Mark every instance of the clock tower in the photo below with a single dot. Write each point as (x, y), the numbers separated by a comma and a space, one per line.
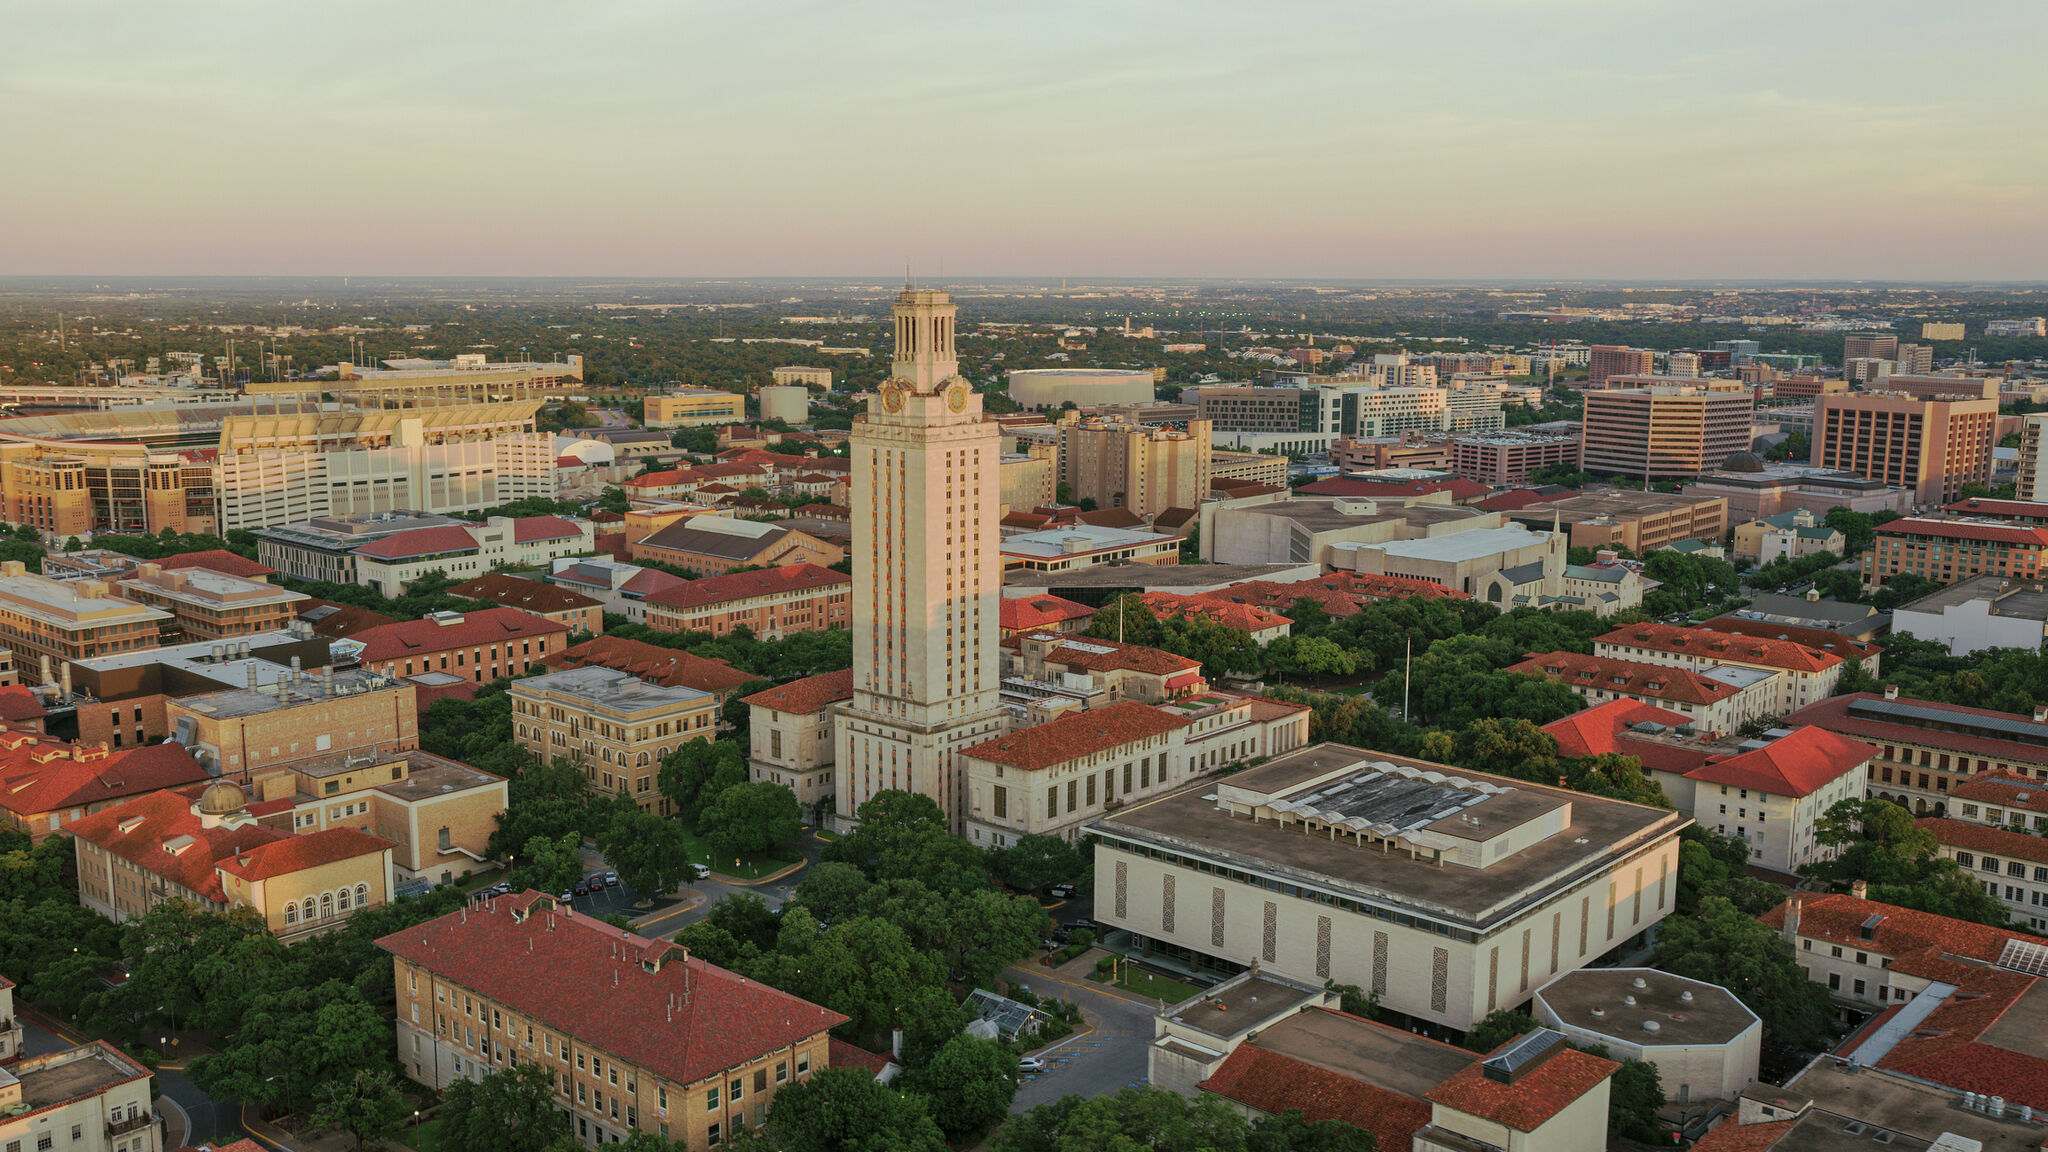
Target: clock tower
(927, 575)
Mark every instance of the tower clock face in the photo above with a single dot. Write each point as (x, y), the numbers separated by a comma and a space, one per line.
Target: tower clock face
(892, 398)
(956, 397)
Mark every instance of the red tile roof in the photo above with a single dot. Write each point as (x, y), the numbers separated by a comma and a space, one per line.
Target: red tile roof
(532, 595)
(1997, 509)
(824, 512)
(1076, 734)
(1243, 617)
(685, 1020)
(1273, 1083)
(1607, 674)
(668, 667)
(1948, 1046)
(345, 620)
(1040, 611)
(164, 817)
(1836, 714)
(489, 626)
(18, 704)
(527, 529)
(1096, 655)
(648, 581)
(45, 774)
(810, 694)
(1461, 490)
(843, 1055)
(420, 542)
(1839, 918)
(1517, 499)
(217, 560)
(1974, 530)
(1603, 729)
(1539, 1094)
(1734, 1137)
(1728, 647)
(1797, 765)
(296, 853)
(744, 585)
(1984, 839)
(1340, 593)
(2004, 789)
(1819, 638)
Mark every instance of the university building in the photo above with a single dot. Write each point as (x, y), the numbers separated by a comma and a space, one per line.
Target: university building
(612, 724)
(789, 733)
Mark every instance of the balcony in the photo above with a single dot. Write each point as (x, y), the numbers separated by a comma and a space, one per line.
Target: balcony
(122, 1127)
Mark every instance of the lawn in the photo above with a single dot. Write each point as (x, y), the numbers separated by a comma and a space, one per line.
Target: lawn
(1146, 984)
(429, 1138)
(748, 868)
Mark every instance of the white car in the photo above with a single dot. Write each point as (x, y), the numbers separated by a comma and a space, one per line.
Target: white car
(703, 873)
(1030, 1064)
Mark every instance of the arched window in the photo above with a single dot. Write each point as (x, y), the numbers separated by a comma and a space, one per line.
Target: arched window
(341, 900)
(642, 762)
(1493, 592)
(326, 904)
(308, 913)
(362, 895)
(291, 914)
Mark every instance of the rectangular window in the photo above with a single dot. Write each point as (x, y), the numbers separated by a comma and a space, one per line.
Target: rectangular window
(781, 1071)
(711, 1099)
(735, 1089)
(803, 1066)
(760, 1079)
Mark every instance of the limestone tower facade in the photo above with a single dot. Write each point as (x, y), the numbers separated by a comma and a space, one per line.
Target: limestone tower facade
(927, 575)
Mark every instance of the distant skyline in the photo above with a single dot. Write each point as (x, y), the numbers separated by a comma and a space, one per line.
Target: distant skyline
(1454, 139)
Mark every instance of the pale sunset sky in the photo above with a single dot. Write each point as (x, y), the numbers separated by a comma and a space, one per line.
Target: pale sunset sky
(1799, 139)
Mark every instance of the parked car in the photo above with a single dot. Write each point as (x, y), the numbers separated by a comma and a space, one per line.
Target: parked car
(703, 873)
(596, 883)
(1077, 925)
(611, 878)
(564, 896)
(1029, 1065)
(1063, 891)
(583, 887)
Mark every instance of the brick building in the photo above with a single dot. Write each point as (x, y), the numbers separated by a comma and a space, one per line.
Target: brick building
(612, 724)
(1946, 551)
(772, 602)
(480, 646)
(709, 545)
(573, 610)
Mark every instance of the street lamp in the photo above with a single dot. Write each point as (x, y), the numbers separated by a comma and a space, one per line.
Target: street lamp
(415, 1128)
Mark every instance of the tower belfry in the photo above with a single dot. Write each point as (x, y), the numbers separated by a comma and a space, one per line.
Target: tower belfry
(927, 574)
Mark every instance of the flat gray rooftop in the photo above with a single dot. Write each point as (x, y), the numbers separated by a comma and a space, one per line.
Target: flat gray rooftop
(428, 776)
(1382, 1056)
(88, 1072)
(1185, 822)
(1922, 1111)
(1712, 1016)
(2024, 1026)
(610, 689)
(1230, 1011)
(312, 688)
(1161, 576)
(2016, 599)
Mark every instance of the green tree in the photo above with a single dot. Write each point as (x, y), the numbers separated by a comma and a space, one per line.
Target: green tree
(549, 864)
(543, 801)
(614, 499)
(967, 1085)
(1635, 1096)
(650, 852)
(1290, 1131)
(750, 818)
(1035, 861)
(508, 1111)
(1499, 1027)
(696, 773)
(293, 1041)
(1130, 1118)
(846, 1110)
(903, 835)
(367, 1105)
(1723, 945)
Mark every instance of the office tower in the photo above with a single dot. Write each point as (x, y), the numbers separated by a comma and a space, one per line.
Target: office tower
(1913, 359)
(1685, 364)
(1941, 331)
(1932, 447)
(1870, 346)
(1738, 348)
(927, 574)
(2027, 326)
(1604, 360)
(2032, 482)
(1119, 463)
(1663, 432)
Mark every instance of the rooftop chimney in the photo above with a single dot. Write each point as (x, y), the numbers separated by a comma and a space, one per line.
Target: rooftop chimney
(1891, 691)
(1792, 920)
(1860, 889)
(2041, 713)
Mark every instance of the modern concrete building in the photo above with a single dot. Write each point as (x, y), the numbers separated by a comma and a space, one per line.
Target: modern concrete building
(1705, 1043)
(1663, 432)
(1461, 561)
(1605, 360)
(1276, 528)
(789, 732)
(324, 549)
(1936, 330)
(2026, 326)
(66, 620)
(1754, 489)
(1031, 478)
(789, 403)
(613, 725)
(681, 1049)
(1508, 457)
(1979, 613)
(694, 408)
(1446, 893)
(1124, 464)
(1933, 448)
(1869, 346)
(1072, 547)
(1040, 389)
(1620, 518)
(927, 575)
(1952, 549)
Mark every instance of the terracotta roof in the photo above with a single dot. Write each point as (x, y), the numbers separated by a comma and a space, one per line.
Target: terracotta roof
(295, 853)
(45, 774)
(532, 595)
(2003, 789)
(1797, 765)
(824, 512)
(1838, 714)
(742, 585)
(2004, 509)
(1032, 520)
(1729, 647)
(1110, 518)
(668, 667)
(685, 1020)
(1967, 530)
(420, 542)
(810, 694)
(1173, 519)
(216, 560)
(1540, 1093)
(1039, 611)
(1839, 918)
(18, 704)
(1340, 593)
(1516, 499)
(1984, 839)
(1607, 674)
(1733, 1137)
(528, 529)
(1948, 1046)
(344, 620)
(1819, 638)
(682, 536)
(1096, 655)
(1273, 1082)
(840, 1054)
(164, 818)
(1243, 617)
(1076, 734)
(489, 626)
(1603, 729)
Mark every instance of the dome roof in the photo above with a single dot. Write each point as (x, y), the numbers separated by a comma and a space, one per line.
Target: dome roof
(222, 798)
(1743, 462)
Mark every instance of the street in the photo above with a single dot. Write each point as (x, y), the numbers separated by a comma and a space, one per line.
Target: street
(182, 1103)
(694, 901)
(1107, 1054)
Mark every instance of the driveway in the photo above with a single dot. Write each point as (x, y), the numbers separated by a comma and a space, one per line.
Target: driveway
(1106, 1054)
(695, 902)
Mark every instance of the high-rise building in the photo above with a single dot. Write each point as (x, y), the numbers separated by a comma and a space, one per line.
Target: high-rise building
(2028, 326)
(1869, 346)
(2032, 482)
(1932, 447)
(1913, 359)
(927, 575)
(1124, 464)
(1664, 432)
(1683, 364)
(1738, 348)
(1944, 331)
(1604, 360)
